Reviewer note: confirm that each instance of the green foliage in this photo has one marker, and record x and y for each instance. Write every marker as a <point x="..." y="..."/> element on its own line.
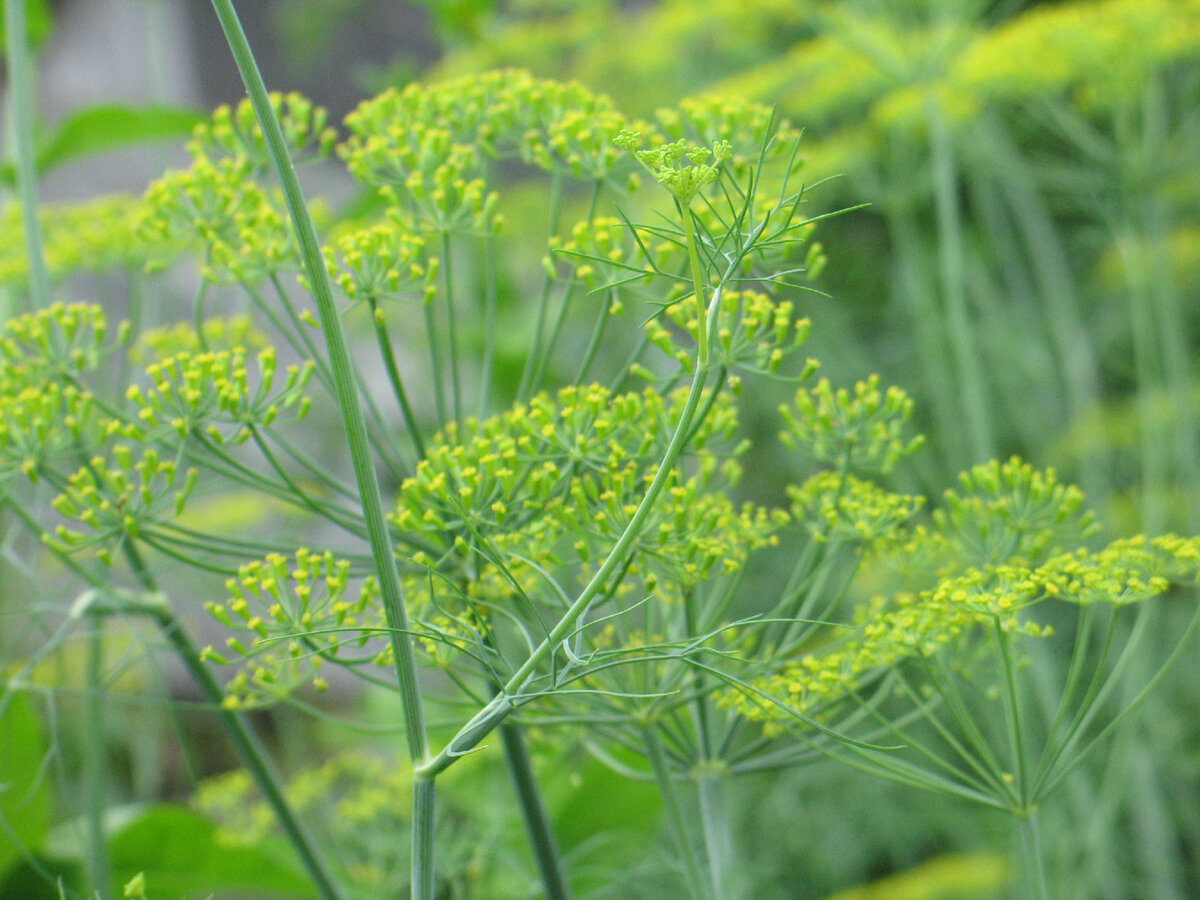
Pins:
<point x="576" y="558"/>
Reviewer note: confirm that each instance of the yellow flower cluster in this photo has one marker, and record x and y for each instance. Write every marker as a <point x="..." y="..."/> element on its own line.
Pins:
<point x="218" y="209"/>
<point x="560" y="127"/>
<point x="121" y="499"/>
<point x="837" y="506"/>
<point x="1011" y="511"/>
<point x="379" y="263"/>
<point x="59" y="342"/>
<point x="746" y="127"/>
<point x="754" y="332"/>
<point x="989" y="592"/>
<point x="289" y="617"/>
<point x="860" y="430"/>
<point x="211" y="392"/>
<point x="44" y="424"/>
<point x="234" y="132"/>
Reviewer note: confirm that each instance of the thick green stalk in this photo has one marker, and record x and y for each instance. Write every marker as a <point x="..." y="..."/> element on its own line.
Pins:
<point x="423" y="810"/>
<point x="94" y="769"/>
<point x="693" y="870"/>
<point x="1035" y="867"/>
<point x="714" y="819"/>
<point x="20" y="123"/>
<point x="533" y="812"/>
<point x="360" y="451"/>
<point x="347" y="396"/>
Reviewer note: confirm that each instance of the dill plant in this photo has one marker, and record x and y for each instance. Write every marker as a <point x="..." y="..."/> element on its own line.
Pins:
<point x="575" y="558"/>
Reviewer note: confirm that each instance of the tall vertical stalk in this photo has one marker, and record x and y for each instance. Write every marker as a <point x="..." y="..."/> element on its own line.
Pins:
<point x="542" y="841"/>
<point x="356" y="432"/>
<point x="94" y="770"/>
<point x="20" y="118"/>
<point x="693" y="870"/>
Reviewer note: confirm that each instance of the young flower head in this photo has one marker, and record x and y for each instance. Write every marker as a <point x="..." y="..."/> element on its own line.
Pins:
<point x="212" y="393"/>
<point x="682" y="168"/>
<point x="290" y="616"/>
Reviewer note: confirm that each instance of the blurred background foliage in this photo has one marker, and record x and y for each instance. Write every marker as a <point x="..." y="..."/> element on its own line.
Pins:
<point x="1027" y="268"/>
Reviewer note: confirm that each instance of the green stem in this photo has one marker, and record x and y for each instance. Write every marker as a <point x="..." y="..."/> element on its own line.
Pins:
<point x="393" y="374"/>
<point x="20" y="111"/>
<point x="1031" y="847"/>
<point x="1012" y="711"/>
<point x="347" y="396"/>
<point x="714" y="818"/>
<point x="693" y="871"/>
<point x="423" y="809"/>
<point x="535" y="347"/>
<point x="95" y="782"/>
<point x="360" y="451"/>
<point x="451" y="327"/>
<point x="533" y="812"/>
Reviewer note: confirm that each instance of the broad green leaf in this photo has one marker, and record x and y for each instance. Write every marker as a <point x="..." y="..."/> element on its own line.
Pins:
<point x="110" y="127"/>
<point x="24" y="794"/>
<point x="181" y="856"/>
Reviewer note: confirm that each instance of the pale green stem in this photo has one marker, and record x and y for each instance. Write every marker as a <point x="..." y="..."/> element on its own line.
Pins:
<point x="435" y="364"/>
<point x="423" y="821"/>
<point x="20" y="112"/>
<point x="95" y="782"/>
<point x="538" y="827"/>
<point x="952" y="265"/>
<point x="489" y="322"/>
<point x="356" y="432"/>
<point x="451" y="327"/>
<point x="718" y="843"/>
<point x="535" y="346"/>
<point x="393" y="374"/>
<point x="1012" y="709"/>
<point x="693" y="870"/>
<point x="1035" y="866"/>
